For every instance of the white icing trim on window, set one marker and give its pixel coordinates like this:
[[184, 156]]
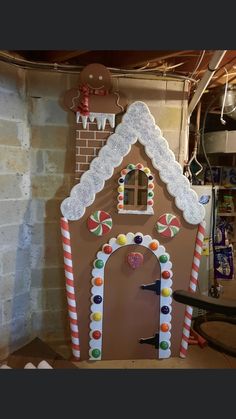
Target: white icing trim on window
[[148, 211], [137, 124], [150, 186]]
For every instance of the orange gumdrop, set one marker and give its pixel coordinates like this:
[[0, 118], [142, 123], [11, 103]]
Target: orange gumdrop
[[98, 281], [153, 245], [164, 327]]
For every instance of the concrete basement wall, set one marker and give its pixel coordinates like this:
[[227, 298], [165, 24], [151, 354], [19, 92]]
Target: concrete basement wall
[[37, 171], [15, 212], [36, 147]]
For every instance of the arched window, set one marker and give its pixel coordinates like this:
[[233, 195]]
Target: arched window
[[135, 190]]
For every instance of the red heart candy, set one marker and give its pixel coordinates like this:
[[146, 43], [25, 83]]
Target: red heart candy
[[135, 259]]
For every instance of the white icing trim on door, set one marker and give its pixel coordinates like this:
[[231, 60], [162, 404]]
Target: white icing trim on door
[[96, 325]]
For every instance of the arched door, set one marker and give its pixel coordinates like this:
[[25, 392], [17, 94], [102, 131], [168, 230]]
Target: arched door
[[130, 304], [130, 313]]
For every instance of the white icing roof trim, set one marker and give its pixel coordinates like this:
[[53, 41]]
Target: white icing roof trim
[[137, 124]]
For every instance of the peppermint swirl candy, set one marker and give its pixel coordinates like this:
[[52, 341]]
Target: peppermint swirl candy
[[99, 223], [168, 225]]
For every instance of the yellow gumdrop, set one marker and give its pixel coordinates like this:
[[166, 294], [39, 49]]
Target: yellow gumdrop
[[97, 316], [147, 170], [121, 188], [121, 239], [166, 292]]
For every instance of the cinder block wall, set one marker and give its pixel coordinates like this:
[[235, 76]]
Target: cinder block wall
[[39, 150], [52, 155], [15, 211], [168, 103]]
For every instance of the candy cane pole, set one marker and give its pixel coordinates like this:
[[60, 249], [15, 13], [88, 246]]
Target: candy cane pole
[[70, 288], [192, 288]]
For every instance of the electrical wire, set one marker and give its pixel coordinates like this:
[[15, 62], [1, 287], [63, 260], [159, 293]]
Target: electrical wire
[[198, 62], [228, 113], [224, 99], [144, 67], [75, 69], [223, 104], [193, 157], [202, 137], [117, 101], [73, 100]]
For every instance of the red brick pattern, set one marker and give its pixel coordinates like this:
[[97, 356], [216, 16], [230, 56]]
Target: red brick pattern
[[88, 143]]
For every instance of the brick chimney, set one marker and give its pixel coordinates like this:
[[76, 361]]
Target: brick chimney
[[88, 143]]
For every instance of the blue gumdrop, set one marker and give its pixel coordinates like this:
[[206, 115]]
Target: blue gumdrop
[[97, 299], [165, 309], [204, 199]]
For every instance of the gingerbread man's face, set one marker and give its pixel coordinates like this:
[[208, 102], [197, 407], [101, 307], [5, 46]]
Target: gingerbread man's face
[[96, 76]]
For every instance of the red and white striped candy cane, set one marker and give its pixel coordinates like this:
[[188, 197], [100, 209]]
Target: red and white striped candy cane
[[192, 287], [70, 287]]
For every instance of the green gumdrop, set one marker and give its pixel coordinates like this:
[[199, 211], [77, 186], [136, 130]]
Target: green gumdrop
[[99, 264], [96, 353], [164, 345], [131, 166], [163, 258]]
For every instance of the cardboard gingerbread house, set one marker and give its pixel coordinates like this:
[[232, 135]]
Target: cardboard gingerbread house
[[132, 231]]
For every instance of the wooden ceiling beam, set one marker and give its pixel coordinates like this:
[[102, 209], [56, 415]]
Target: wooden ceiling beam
[[126, 59], [49, 56], [131, 59], [232, 78], [61, 56], [190, 64], [221, 79]]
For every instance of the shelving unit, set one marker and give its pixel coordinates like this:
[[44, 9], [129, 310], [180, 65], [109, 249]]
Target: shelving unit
[[223, 195], [227, 188], [226, 214], [221, 192], [223, 170], [222, 158]]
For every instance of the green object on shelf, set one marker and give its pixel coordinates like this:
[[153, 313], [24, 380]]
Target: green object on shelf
[[228, 203]]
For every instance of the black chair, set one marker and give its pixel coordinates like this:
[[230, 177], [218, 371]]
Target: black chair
[[222, 310]]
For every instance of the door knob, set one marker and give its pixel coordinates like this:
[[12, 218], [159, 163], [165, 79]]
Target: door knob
[[154, 340], [154, 286]]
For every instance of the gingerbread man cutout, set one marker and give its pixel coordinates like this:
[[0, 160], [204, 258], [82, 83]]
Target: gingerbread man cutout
[[93, 99]]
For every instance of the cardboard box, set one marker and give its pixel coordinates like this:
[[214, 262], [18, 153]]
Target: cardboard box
[[35, 352]]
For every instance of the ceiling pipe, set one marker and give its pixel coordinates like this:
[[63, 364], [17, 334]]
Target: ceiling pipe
[[76, 69], [212, 67]]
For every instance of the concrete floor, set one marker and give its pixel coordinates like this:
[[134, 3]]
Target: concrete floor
[[197, 357]]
